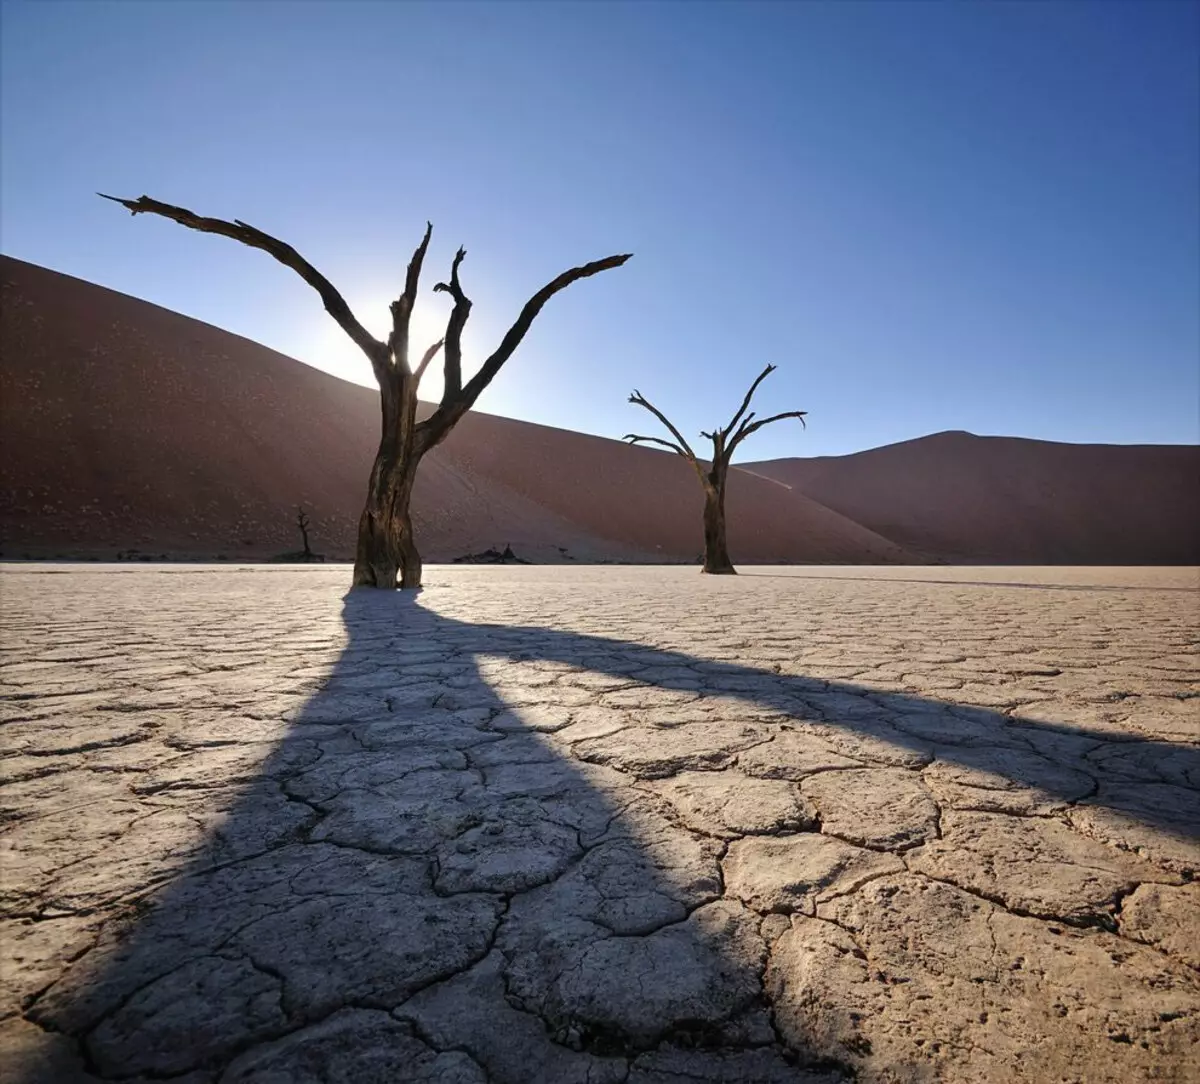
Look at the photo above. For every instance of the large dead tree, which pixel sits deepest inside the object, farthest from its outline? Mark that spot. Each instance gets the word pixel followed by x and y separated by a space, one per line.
pixel 386 548
pixel 714 479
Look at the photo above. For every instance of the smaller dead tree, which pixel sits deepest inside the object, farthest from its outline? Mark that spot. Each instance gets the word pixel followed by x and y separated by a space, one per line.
pixel 302 523
pixel 714 479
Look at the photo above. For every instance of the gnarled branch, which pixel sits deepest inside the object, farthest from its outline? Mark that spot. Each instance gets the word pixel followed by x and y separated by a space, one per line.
pixel 747 428
pixel 334 303
pixel 633 438
pixel 638 398
pixel 749 395
pixel 434 428
pixel 720 461
pixel 514 335
pixel 429 355
pixel 402 307
pixel 454 328
pixel 683 448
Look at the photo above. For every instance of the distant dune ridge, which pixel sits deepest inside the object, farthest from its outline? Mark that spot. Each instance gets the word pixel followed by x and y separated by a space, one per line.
pixel 961 497
pixel 127 426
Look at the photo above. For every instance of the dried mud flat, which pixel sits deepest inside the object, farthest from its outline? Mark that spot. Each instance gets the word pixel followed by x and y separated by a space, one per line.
pixel 608 824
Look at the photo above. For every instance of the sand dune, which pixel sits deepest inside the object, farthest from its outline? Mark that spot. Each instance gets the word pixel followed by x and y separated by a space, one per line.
pixel 125 425
pixel 960 497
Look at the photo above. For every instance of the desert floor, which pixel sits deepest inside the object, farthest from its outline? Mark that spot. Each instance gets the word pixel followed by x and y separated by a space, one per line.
pixel 600 824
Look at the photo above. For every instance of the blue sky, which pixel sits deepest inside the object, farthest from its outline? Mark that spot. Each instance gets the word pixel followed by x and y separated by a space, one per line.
pixel 929 216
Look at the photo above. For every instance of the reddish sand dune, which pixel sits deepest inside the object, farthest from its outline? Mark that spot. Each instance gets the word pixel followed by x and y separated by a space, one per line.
pixel 126 426
pixel 959 497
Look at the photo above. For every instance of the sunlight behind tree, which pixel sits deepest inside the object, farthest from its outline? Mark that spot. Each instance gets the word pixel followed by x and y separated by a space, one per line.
pixel 331 351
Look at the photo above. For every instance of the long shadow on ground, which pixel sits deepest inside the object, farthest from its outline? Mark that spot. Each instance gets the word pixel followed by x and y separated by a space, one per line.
pixel 432 880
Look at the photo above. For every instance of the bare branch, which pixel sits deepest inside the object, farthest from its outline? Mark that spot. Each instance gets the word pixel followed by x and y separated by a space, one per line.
pixel 633 438
pixel 684 448
pixel 749 395
pixel 435 428
pixel 719 459
pixel 412 276
pixel 638 398
pixel 454 328
pixel 429 355
pixel 747 429
pixel 335 304
pixel 524 321
pixel 402 307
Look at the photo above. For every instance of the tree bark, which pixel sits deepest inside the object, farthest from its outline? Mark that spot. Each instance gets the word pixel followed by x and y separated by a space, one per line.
pixel 386 555
pixel 716 552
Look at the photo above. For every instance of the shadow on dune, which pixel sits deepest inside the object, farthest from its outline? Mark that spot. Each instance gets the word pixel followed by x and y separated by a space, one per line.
pixel 431 879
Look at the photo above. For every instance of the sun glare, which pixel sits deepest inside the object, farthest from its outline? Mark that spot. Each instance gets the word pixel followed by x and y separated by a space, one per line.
pixel 335 353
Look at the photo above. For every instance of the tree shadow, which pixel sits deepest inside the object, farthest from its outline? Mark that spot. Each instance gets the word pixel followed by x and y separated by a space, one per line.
pixel 814 573
pixel 443 873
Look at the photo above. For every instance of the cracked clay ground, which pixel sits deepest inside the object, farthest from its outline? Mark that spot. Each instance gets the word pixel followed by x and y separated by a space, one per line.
pixel 599 825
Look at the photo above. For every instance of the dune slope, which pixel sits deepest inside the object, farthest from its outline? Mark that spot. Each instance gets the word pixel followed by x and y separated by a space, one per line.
pixel 960 497
pixel 125 425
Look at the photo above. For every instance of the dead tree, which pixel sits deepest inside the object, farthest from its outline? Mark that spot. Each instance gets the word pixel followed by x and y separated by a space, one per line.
pixel 302 523
pixel 386 549
pixel 714 479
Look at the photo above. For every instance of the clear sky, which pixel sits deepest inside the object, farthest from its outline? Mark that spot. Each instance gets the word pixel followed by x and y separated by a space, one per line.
pixel 929 216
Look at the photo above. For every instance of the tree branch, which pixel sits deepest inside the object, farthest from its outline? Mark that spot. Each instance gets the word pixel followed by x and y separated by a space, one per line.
pixel 524 321
pixel 633 438
pixel 684 448
pixel 454 328
pixel 749 395
pixel 402 307
pixel 435 427
pixel 429 355
pixel 638 398
pixel 719 459
pixel 334 303
pixel 747 428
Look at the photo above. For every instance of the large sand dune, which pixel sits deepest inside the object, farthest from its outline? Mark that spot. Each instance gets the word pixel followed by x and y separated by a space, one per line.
pixel 960 497
pixel 126 425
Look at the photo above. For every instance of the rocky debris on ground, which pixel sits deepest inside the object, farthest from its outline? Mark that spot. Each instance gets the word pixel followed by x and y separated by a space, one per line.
pixel 491 556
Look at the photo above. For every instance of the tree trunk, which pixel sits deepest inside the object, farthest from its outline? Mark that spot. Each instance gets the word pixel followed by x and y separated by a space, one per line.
pixel 716 553
pixel 387 554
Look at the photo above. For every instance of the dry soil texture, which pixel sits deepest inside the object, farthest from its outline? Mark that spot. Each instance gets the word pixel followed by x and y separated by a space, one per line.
pixel 591 825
